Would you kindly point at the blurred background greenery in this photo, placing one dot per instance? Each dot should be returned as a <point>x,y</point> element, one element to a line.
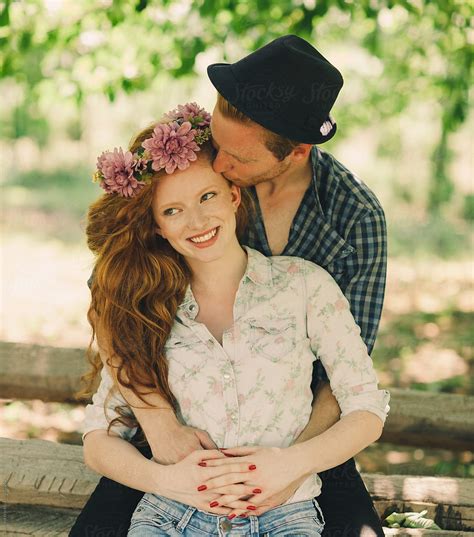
<point>80,77</point>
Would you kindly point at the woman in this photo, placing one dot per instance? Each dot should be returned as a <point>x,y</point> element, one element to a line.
<point>223,335</point>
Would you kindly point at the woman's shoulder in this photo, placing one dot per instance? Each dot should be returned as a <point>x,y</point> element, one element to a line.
<point>284,267</point>
<point>298,265</point>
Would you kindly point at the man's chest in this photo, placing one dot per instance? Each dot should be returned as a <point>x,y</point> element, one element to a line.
<point>278,214</point>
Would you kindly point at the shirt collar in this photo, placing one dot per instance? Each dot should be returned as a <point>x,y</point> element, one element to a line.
<point>259,268</point>
<point>316,169</point>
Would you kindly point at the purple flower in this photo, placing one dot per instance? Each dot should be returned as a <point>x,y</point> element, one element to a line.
<point>172,146</point>
<point>187,112</point>
<point>116,171</point>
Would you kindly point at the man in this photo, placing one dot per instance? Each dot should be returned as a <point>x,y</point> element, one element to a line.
<point>272,107</point>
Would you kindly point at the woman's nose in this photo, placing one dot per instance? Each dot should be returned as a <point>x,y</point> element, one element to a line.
<point>197,219</point>
<point>221,163</point>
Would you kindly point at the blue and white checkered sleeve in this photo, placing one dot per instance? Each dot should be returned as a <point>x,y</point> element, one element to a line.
<point>365,289</point>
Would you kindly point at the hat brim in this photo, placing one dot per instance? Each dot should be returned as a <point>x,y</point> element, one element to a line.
<point>223,79</point>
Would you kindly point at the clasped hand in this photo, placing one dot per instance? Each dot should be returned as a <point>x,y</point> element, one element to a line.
<point>232,482</point>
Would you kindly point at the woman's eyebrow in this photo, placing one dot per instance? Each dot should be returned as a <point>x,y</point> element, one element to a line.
<point>199,194</point>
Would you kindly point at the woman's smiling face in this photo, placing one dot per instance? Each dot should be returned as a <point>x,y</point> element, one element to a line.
<point>194,210</point>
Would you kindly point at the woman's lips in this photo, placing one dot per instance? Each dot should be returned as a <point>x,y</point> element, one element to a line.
<point>208,242</point>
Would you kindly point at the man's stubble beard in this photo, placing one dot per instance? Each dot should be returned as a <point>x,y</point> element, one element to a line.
<point>279,169</point>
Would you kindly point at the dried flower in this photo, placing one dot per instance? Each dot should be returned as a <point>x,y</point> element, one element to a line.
<point>172,146</point>
<point>116,171</point>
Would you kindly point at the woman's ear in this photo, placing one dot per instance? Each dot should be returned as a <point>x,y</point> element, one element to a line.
<point>236,196</point>
<point>159,232</point>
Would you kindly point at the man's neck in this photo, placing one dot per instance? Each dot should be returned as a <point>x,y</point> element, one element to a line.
<point>296,178</point>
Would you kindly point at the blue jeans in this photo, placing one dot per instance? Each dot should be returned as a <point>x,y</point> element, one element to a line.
<point>156,516</point>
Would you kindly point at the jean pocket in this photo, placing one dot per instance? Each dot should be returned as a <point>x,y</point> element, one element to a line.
<point>146,516</point>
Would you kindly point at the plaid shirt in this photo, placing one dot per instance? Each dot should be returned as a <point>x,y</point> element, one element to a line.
<point>340,225</point>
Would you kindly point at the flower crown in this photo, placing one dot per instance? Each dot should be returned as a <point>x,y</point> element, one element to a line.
<point>173,144</point>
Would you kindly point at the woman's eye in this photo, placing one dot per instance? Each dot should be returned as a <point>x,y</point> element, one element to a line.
<point>208,196</point>
<point>170,212</point>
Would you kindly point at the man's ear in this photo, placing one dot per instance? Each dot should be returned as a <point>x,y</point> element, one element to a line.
<point>301,151</point>
<point>236,196</point>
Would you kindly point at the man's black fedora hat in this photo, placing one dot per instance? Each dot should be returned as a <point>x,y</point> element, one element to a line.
<point>287,86</point>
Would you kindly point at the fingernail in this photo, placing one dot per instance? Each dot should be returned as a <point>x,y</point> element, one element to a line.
<point>201,488</point>
<point>230,517</point>
<point>257,491</point>
<point>243,515</point>
<point>214,504</point>
<point>202,464</point>
<point>251,507</point>
<point>252,467</point>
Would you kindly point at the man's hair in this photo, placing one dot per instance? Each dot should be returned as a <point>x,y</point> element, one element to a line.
<point>280,146</point>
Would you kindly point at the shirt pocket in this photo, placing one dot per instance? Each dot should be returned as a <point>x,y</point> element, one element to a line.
<point>183,349</point>
<point>273,338</point>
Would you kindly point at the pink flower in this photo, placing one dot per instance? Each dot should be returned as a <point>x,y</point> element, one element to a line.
<point>116,169</point>
<point>187,112</point>
<point>290,384</point>
<point>186,404</point>
<point>293,268</point>
<point>172,146</point>
<point>340,305</point>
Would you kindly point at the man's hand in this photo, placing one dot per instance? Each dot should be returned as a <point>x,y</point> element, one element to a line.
<point>174,442</point>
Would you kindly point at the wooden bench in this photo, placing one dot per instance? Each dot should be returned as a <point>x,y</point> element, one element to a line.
<point>46,484</point>
<point>416,418</point>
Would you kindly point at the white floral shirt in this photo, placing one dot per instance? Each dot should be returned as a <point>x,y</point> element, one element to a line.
<point>255,388</point>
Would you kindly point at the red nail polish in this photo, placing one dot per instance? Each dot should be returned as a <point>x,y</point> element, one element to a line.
<point>252,467</point>
<point>257,491</point>
<point>230,517</point>
<point>213,504</point>
<point>251,507</point>
<point>201,488</point>
<point>243,515</point>
<point>202,464</point>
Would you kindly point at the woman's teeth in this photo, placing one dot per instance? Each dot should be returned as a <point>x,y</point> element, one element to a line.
<point>206,237</point>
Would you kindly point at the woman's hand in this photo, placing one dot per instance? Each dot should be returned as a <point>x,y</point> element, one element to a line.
<point>276,477</point>
<point>190,481</point>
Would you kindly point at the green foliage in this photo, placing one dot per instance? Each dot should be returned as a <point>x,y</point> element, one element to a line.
<point>92,46</point>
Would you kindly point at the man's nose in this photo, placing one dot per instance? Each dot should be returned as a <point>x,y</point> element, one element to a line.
<point>221,164</point>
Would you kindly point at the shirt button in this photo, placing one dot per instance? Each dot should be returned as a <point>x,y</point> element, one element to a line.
<point>227,376</point>
<point>233,417</point>
<point>192,307</point>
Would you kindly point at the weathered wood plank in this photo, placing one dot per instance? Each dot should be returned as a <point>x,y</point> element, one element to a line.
<point>438,490</point>
<point>39,521</point>
<point>37,372</point>
<point>45,473</point>
<point>416,418</point>
<point>407,532</point>
<point>430,419</point>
